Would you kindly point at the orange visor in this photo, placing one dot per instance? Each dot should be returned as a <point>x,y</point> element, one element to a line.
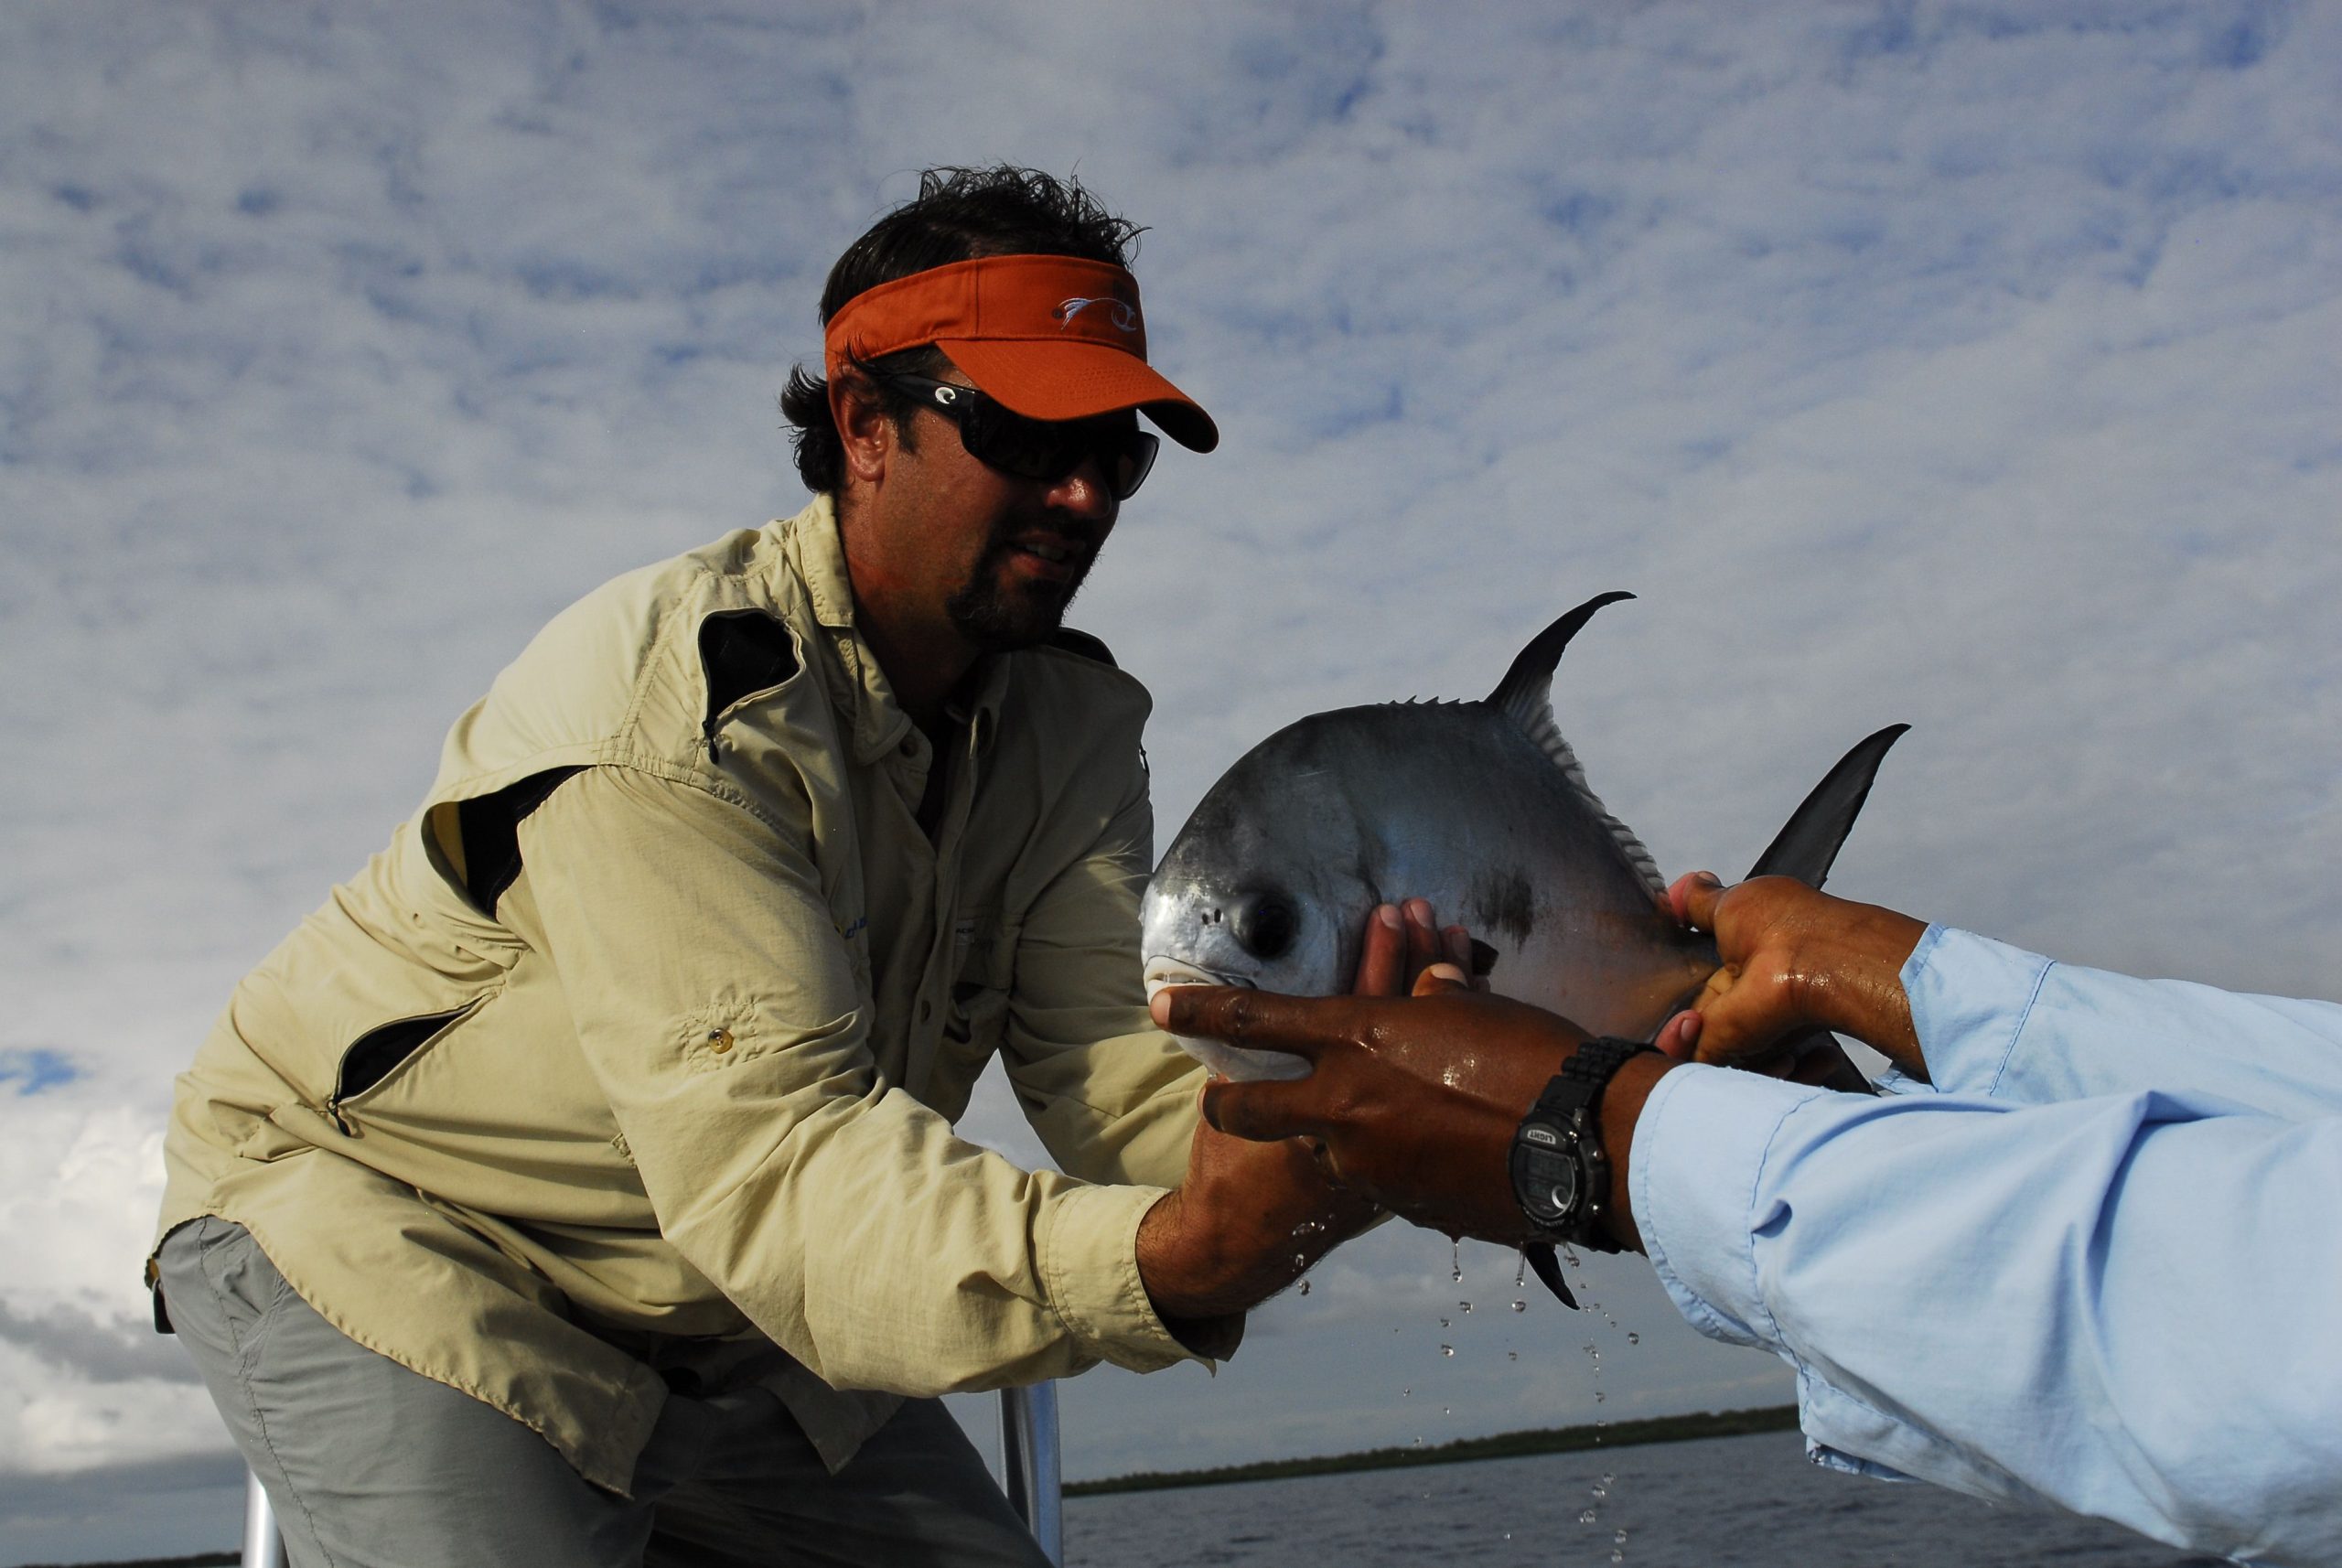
<point>1048,337</point>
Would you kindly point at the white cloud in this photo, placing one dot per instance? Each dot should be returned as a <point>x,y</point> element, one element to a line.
<point>1958,365</point>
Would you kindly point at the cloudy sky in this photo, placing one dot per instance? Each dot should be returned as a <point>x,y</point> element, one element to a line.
<point>1968,366</point>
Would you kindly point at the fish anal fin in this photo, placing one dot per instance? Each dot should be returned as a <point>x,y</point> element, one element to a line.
<point>1808,844</point>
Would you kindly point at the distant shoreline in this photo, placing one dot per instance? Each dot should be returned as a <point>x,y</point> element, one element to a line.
<point>1500,1445</point>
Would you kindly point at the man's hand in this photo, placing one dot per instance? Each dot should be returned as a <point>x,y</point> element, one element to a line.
<point>1416,1100</point>
<point>1794,959</point>
<point>1251,1217</point>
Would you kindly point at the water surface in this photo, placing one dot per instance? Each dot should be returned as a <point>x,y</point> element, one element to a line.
<point>1711,1503</point>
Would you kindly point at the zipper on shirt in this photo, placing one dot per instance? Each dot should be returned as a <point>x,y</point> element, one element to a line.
<point>381,1051</point>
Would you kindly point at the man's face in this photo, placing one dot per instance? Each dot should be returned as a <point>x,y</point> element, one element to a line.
<point>1000,555</point>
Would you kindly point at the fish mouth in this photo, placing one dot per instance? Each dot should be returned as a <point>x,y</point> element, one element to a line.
<point>1163,972</point>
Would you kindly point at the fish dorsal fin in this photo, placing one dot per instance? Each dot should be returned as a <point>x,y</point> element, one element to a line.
<point>1809,844</point>
<point>1525,697</point>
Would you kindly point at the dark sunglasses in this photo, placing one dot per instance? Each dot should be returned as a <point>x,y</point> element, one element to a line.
<point>1039,448</point>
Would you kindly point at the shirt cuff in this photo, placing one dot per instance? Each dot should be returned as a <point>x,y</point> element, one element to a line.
<point>1087,1248</point>
<point>1699,1145</point>
<point>1970,998</point>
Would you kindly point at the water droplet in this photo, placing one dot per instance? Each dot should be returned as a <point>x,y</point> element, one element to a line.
<point>1599,1396</point>
<point>1508,1535</point>
<point>1621,1537</point>
<point>1448,1350</point>
<point>1617,1555</point>
<point>1586,1515</point>
<point>1600,1493</point>
<point>1304,1287</point>
<point>1455,1258</point>
<point>1301,1260</point>
<point>1521,1306</point>
<point>1406,1391</point>
<point>1463,1306</point>
<point>1512,1355</point>
<point>1608,1477</point>
<point>1443,1323</point>
<point>1418,1442</point>
<point>1446,1410</point>
<point>1569,1256</point>
<point>1633,1338</point>
<point>1521,1266</point>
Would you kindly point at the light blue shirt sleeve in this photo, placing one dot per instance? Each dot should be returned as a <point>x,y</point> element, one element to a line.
<point>1998,1021</point>
<point>2123,1305</point>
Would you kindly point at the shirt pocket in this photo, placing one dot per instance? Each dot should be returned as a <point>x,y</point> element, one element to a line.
<point>373,1063</point>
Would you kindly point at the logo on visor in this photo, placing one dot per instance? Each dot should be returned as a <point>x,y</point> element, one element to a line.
<point>1121,313</point>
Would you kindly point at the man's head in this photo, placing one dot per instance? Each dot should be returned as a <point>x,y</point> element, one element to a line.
<point>985,360</point>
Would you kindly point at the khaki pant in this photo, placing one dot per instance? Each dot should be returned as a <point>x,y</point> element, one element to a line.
<point>372,1465</point>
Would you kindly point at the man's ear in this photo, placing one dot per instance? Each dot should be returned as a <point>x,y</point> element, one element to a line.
<point>865,429</point>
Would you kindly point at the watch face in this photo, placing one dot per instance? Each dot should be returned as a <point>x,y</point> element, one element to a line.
<point>1544,1178</point>
<point>1561,1188</point>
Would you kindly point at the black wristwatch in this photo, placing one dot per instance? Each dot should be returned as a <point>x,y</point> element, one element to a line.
<point>1560,1176</point>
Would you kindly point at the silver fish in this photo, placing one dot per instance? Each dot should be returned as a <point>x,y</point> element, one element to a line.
<point>1480,807</point>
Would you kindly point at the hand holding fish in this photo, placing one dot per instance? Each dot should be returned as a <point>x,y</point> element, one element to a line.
<point>1794,959</point>
<point>1416,1100</point>
<point>1252,1216</point>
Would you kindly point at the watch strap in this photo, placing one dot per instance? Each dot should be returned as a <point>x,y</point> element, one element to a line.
<point>1573,1097</point>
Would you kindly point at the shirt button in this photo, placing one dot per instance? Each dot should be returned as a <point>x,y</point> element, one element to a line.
<point>719,1040</point>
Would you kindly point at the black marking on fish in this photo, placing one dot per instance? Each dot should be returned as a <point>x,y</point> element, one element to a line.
<point>1484,960</point>
<point>1504,901</point>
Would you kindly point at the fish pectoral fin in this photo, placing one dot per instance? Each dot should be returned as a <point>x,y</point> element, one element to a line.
<point>1809,842</point>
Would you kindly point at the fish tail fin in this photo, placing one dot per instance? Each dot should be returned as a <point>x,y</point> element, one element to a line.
<point>1807,845</point>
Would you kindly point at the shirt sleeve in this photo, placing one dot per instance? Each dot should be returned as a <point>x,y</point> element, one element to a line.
<point>716,1005</point>
<point>2119,1304</point>
<point>1996,1021</point>
<point>1111,1096</point>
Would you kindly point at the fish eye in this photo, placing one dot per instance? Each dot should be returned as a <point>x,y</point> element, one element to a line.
<point>1264,924</point>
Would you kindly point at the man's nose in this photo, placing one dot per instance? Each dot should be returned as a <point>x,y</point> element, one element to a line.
<point>1084,492</point>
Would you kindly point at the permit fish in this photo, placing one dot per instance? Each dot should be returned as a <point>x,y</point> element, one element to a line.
<point>1480,806</point>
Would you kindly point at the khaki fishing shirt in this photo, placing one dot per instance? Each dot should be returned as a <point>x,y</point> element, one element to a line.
<point>639,1046</point>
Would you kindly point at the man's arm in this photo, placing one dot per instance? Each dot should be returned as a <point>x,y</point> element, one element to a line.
<point>2116,1304</point>
<point>2120,1306</point>
<point>715,1004</point>
<point>1976,1016</point>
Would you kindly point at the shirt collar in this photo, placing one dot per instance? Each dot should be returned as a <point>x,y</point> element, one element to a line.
<point>859,688</point>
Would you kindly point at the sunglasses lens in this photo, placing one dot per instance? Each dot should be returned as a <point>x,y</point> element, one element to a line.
<point>1039,449</point>
<point>1130,466</point>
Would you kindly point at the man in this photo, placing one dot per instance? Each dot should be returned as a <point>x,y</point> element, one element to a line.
<point>2093,1264</point>
<point>579,1182</point>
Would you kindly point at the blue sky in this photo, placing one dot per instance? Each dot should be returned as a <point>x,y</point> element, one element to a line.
<point>1967,366</point>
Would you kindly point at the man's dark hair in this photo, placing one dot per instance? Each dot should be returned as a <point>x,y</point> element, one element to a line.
<point>958,215</point>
